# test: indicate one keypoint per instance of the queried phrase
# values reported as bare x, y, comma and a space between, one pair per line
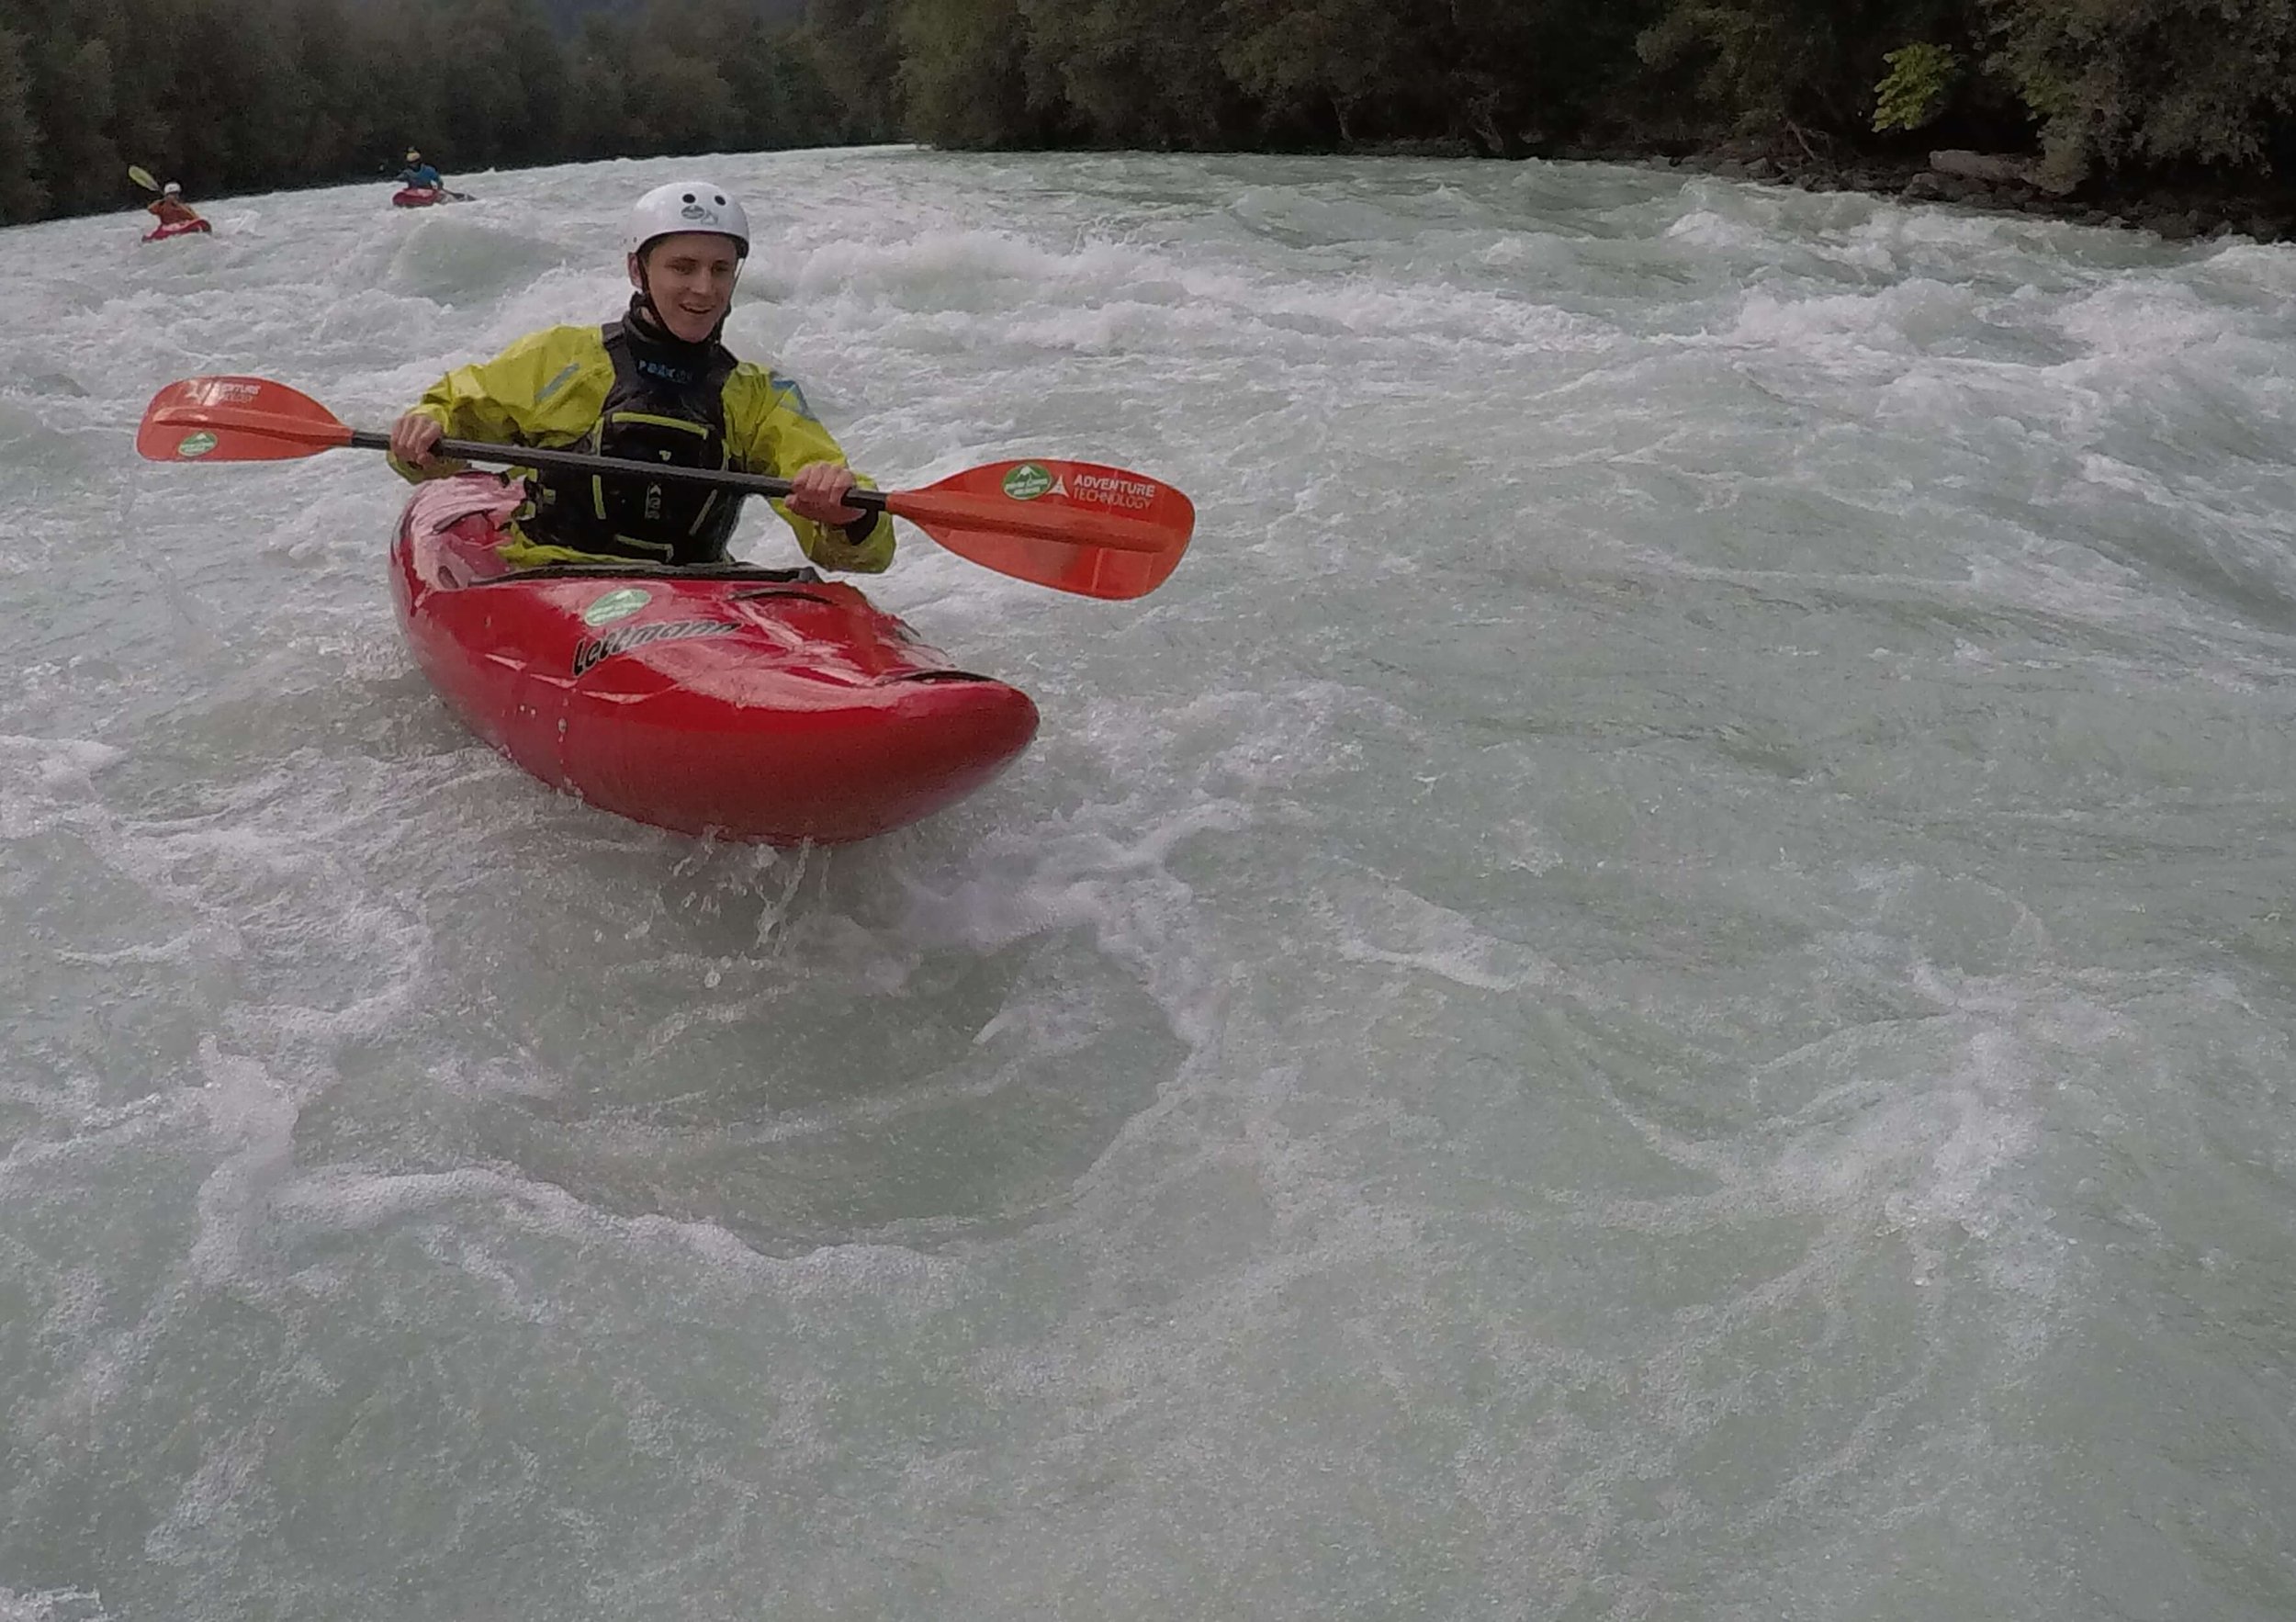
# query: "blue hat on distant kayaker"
656, 385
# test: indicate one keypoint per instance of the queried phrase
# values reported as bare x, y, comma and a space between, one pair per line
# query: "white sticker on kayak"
616, 605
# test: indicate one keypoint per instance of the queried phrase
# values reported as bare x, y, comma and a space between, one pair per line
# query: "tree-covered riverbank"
233, 95
2180, 114
2177, 113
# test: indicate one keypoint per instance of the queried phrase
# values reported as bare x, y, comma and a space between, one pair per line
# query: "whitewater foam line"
52, 1605
348, 1200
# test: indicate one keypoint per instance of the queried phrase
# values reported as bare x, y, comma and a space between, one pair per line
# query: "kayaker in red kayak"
169, 207
656, 385
419, 176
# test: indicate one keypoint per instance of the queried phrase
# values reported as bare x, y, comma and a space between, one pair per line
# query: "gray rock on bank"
1994, 169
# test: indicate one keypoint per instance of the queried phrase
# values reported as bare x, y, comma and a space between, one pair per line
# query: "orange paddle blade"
235, 420
1076, 526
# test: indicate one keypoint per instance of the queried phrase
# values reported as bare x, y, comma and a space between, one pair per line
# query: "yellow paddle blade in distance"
142, 177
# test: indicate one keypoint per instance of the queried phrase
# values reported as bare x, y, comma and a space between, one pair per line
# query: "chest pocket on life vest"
654, 412
666, 518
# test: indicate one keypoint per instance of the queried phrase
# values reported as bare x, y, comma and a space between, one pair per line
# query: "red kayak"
752, 703
423, 196
180, 227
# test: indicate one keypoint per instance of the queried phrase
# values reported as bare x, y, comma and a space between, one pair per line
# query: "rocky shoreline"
2200, 208
2264, 211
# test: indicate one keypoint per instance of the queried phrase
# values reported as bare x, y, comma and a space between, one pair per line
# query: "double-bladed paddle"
1074, 527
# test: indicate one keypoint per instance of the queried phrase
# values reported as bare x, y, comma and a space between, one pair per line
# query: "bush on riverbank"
2181, 112
249, 95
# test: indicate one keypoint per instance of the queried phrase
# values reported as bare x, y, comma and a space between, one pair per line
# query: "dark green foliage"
21, 195
242, 95
968, 77
1132, 75
71, 104
1763, 63
1917, 87
1500, 76
1345, 69
228, 94
855, 55
2153, 81
567, 18
2149, 82
1528, 74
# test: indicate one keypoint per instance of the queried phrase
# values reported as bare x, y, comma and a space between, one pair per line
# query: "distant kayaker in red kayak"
169, 207
656, 385
419, 176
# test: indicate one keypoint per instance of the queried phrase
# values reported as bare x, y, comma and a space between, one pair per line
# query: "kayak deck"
751, 703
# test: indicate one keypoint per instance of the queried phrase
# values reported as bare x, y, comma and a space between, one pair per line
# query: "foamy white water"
1657, 985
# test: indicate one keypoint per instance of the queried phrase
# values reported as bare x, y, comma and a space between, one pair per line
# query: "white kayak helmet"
688, 205
171, 190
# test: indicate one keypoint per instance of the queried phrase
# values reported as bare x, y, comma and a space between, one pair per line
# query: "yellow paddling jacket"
612, 391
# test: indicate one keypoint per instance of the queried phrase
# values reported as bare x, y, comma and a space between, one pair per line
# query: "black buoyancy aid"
667, 404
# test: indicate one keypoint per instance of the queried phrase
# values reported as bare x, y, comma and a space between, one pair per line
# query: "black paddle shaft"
519, 456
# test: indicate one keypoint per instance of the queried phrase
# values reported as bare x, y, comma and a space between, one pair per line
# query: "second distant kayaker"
169, 207
420, 175
656, 385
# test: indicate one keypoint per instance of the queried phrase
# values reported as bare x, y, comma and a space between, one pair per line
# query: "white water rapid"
1657, 986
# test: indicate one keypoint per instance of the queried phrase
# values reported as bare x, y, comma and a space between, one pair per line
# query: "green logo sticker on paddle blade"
196, 446
1027, 482
616, 605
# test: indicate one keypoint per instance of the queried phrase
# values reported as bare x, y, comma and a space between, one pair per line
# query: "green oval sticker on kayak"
616, 605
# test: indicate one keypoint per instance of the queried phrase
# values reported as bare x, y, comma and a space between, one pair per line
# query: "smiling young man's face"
691, 278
